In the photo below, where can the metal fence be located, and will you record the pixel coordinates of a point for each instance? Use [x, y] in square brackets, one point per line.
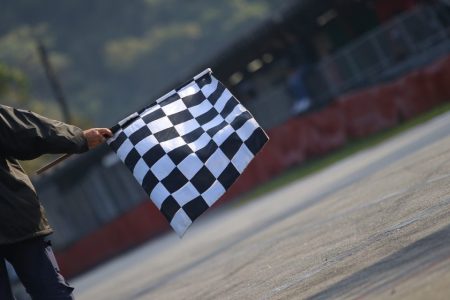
[408, 41]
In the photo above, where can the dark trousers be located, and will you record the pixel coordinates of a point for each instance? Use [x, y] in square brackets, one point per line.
[35, 264]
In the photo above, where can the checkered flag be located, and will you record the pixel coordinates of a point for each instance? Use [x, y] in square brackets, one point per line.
[188, 147]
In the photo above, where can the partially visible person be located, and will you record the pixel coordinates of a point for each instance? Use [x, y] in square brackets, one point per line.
[24, 227]
[297, 89]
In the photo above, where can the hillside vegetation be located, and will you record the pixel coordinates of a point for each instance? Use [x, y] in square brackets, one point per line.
[113, 57]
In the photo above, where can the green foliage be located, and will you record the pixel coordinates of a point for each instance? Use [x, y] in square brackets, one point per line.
[22, 80]
[12, 81]
[124, 53]
[106, 53]
[244, 10]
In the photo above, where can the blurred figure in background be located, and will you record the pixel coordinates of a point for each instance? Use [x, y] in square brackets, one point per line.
[25, 135]
[297, 89]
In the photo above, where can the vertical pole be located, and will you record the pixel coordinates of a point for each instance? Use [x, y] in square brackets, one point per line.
[54, 83]
[379, 51]
[356, 74]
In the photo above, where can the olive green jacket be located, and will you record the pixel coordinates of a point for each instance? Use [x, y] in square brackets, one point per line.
[25, 135]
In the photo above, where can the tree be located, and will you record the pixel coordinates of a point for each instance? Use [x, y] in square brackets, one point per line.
[12, 84]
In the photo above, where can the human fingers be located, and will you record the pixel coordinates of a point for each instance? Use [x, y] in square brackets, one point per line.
[105, 132]
[94, 137]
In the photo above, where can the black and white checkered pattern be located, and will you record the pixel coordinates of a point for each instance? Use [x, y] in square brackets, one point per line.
[189, 147]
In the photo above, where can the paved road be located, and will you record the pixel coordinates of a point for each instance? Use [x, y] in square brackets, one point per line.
[376, 225]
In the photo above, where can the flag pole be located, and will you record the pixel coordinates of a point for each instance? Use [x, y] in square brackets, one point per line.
[52, 164]
[61, 159]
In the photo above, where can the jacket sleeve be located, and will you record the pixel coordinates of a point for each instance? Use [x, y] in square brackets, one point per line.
[26, 135]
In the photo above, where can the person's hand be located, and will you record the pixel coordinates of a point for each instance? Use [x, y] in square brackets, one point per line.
[96, 136]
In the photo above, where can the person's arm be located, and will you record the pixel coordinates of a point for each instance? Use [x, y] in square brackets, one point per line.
[27, 135]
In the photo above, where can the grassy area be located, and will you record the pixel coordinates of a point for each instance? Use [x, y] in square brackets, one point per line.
[352, 147]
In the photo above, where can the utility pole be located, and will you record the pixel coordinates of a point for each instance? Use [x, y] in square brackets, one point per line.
[53, 80]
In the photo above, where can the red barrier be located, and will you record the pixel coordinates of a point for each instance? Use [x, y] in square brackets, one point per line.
[415, 95]
[128, 230]
[385, 97]
[357, 108]
[438, 78]
[328, 131]
[302, 134]
[288, 143]
[368, 112]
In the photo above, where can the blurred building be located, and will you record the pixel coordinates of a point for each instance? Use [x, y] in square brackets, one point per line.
[314, 50]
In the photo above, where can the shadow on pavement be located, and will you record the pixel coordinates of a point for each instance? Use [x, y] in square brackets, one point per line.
[398, 267]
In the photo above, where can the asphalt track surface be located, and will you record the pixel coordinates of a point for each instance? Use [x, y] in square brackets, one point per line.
[374, 226]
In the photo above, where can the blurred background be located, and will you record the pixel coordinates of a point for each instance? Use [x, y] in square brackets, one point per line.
[316, 74]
